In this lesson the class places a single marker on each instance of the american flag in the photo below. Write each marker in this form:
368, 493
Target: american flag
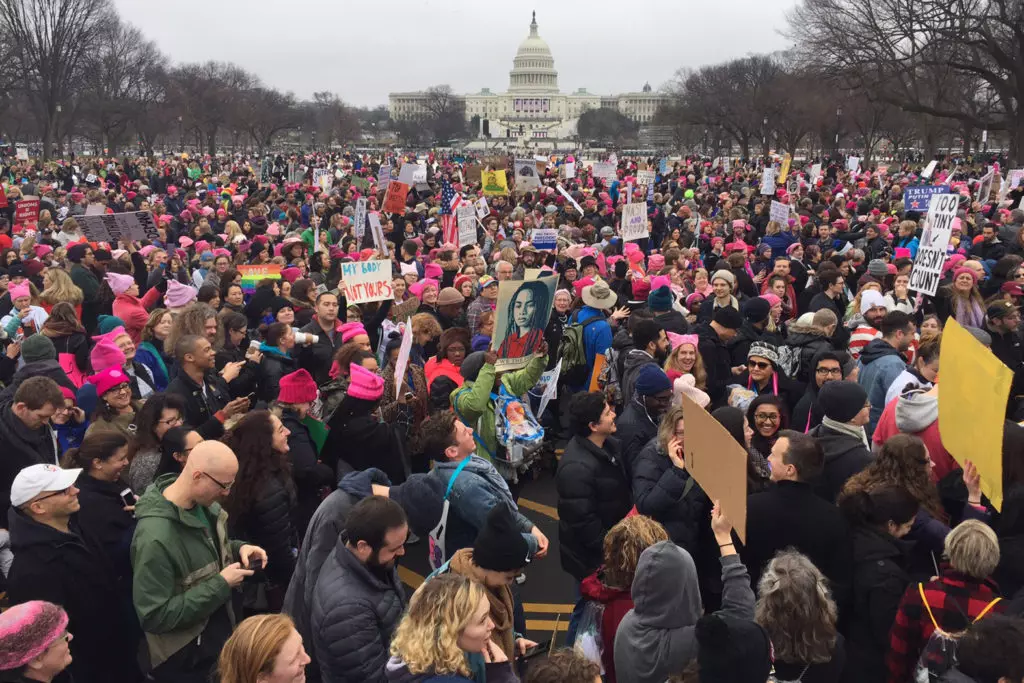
450, 201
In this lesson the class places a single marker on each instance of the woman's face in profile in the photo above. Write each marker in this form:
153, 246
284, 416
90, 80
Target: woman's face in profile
523, 309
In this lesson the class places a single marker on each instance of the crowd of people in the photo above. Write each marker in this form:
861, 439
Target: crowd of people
203, 475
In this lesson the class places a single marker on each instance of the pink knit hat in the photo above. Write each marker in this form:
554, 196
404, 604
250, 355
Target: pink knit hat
417, 287
771, 299
364, 384
433, 271
105, 355
964, 269
119, 283
297, 387
107, 379
675, 339
655, 262
350, 331
19, 290
26, 630
179, 295
660, 281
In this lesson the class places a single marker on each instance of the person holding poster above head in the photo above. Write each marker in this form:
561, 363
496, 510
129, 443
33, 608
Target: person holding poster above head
526, 312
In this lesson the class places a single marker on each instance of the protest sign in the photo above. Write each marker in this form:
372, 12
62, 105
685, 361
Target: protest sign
768, 181
111, 227
545, 238
853, 164
406, 173
526, 175
367, 281
360, 218
482, 209
931, 254
815, 173
784, 169
725, 164
419, 173
495, 184
606, 170
972, 423
634, 221
402, 362
645, 178
22, 153
929, 169
1015, 178
663, 166
323, 178
523, 311
394, 198
26, 211
466, 215
378, 233
916, 197
547, 387
779, 213
362, 183
717, 463
531, 273
569, 170
568, 197
985, 187
3, 198
251, 275
384, 177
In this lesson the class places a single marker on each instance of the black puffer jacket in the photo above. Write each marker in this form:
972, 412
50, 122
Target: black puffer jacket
593, 495
268, 524
633, 429
274, 366
21, 447
670, 496
355, 614
845, 456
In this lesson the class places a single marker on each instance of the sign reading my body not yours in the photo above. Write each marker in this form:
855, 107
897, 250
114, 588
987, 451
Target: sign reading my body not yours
367, 281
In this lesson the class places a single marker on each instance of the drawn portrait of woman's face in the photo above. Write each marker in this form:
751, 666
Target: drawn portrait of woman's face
523, 309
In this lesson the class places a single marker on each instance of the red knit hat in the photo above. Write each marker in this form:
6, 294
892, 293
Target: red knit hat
297, 387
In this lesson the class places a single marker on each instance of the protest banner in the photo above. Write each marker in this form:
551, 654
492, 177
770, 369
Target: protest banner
634, 222
768, 181
402, 362
569, 170
645, 178
323, 178
972, 423
466, 216
360, 218
384, 177
916, 197
378, 234
931, 254
111, 227
784, 169
545, 238
929, 169
985, 187
779, 213
251, 275
526, 177
367, 281
606, 170
1015, 177
21, 153
495, 184
26, 211
718, 464
394, 198
523, 311
853, 164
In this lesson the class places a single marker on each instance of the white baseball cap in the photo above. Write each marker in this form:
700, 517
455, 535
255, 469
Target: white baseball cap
36, 479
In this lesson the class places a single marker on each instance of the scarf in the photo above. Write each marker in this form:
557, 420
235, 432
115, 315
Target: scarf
843, 428
500, 601
58, 328
973, 316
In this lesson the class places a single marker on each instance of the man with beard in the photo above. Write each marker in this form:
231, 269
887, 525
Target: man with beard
359, 599
650, 347
873, 308
648, 400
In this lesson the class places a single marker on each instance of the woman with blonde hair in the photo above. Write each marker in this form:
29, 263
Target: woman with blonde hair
795, 608
447, 632
684, 359
58, 288
264, 649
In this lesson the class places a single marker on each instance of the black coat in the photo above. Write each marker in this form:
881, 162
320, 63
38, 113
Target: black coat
71, 570
670, 496
103, 517
790, 514
739, 345
273, 367
248, 380
268, 524
21, 447
845, 456
317, 358
806, 345
716, 363
593, 496
879, 581
672, 321
633, 429
309, 473
363, 441
201, 411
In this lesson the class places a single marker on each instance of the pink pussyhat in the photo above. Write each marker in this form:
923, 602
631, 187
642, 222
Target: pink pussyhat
364, 384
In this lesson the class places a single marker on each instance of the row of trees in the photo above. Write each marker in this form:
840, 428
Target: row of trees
912, 75
72, 69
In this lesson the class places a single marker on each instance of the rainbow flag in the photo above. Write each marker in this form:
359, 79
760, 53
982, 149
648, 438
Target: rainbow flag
251, 276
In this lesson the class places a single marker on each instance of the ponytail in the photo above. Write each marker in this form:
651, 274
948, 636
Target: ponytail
879, 507
95, 446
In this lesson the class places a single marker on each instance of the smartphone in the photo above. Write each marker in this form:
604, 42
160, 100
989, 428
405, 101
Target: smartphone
128, 497
252, 398
539, 649
256, 563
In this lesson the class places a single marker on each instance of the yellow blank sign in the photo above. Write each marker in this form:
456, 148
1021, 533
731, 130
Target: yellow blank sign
975, 386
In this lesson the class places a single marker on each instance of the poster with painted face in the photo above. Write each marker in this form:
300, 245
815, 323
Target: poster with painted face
523, 310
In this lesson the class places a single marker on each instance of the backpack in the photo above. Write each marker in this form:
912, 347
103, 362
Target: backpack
939, 653
789, 360
572, 351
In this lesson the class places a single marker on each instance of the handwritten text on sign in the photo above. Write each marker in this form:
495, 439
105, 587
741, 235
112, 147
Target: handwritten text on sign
931, 255
367, 281
634, 221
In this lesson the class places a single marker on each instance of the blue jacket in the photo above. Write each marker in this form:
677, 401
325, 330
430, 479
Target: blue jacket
597, 338
477, 489
779, 243
880, 364
911, 244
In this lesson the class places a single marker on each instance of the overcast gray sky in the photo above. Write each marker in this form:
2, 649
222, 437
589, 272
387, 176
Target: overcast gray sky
364, 49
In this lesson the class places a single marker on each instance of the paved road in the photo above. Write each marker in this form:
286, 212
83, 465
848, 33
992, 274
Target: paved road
548, 593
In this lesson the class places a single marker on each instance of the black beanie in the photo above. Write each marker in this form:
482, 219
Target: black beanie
500, 546
728, 317
77, 252
732, 650
621, 268
471, 365
756, 310
841, 401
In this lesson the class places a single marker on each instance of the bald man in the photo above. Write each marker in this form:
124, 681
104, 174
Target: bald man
185, 567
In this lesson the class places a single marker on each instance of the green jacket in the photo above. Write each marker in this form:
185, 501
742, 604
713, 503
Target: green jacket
86, 281
472, 402
176, 567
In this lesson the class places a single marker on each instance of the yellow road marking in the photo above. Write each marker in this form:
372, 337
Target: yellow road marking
545, 510
546, 608
409, 577
546, 625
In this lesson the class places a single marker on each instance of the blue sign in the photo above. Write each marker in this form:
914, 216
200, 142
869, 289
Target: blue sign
545, 238
663, 166
916, 197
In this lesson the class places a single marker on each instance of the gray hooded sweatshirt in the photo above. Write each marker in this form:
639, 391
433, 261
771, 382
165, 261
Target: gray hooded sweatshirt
656, 638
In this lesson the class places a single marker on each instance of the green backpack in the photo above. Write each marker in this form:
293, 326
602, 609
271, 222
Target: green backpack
572, 351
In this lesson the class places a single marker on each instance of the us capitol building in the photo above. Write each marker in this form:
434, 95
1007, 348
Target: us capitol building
533, 109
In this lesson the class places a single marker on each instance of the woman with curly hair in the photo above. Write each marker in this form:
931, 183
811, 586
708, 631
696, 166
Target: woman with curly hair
58, 288
262, 502
263, 649
796, 609
447, 632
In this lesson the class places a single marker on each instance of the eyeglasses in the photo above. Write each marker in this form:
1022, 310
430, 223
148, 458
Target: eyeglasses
222, 485
170, 421
829, 371
760, 364
766, 417
65, 492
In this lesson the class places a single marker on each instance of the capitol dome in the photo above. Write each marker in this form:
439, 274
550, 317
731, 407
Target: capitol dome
533, 69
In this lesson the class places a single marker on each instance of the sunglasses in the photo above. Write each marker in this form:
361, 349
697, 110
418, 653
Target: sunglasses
760, 364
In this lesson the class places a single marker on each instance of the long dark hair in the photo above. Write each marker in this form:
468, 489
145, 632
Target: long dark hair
174, 441
147, 417
542, 305
251, 439
96, 446
761, 444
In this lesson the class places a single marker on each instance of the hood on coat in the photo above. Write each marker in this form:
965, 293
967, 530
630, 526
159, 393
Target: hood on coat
802, 335
593, 588
360, 484
622, 340
665, 591
835, 444
915, 411
876, 349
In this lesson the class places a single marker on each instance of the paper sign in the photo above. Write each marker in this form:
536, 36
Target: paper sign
972, 422
403, 356
419, 173
495, 184
384, 177
526, 175
634, 221
779, 213
985, 187
482, 209
22, 153
522, 314
815, 173
111, 227
768, 181
407, 173
547, 387
606, 170
569, 198
466, 216
26, 211
929, 169
931, 254
916, 197
360, 218
394, 199
663, 166
853, 164
569, 170
378, 234
718, 463
545, 238
1015, 178
645, 178
323, 179
725, 164
367, 281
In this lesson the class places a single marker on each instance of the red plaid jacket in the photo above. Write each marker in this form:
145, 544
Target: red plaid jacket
955, 600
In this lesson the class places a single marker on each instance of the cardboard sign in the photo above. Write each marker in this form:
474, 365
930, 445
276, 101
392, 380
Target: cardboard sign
768, 181
111, 227
523, 311
973, 429
606, 170
473, 173
384, 177
985, 187
717, 463
26, 211
251, 275
784, 169
360, 218
779, 213
409, 172
916, 197
495, 184
394, 199
22, 153
600, 360
545, 238
929, 169
526, 175
377, 230
547, 387
402, 362
931, 254
634, 221
482, 209
367, 281
569, 170
466, 216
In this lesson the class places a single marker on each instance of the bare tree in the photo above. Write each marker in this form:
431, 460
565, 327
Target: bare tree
209, 97
265, 112
446, 113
